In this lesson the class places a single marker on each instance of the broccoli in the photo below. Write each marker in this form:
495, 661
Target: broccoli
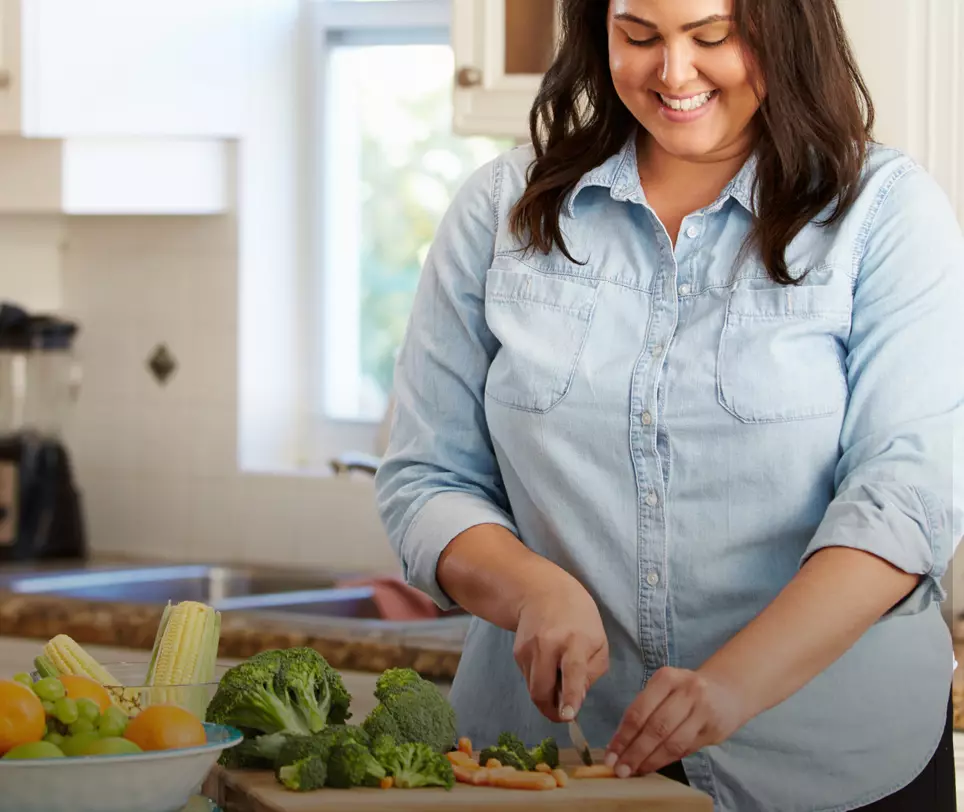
413, 710
415, 765
255, 752
320, 744
510, 741
305, 774
288, 691
352, 765
384, 748
546, 752
506, 756
395, 680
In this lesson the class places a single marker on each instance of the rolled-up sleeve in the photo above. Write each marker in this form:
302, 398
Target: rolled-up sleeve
439, 476
900, 480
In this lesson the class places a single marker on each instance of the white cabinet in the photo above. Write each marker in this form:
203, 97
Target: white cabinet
162, 68
502, 48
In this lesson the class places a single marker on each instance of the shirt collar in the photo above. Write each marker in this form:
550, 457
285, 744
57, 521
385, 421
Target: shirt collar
619, 174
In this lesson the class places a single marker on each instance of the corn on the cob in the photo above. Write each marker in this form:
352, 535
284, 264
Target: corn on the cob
68, 657
185, 653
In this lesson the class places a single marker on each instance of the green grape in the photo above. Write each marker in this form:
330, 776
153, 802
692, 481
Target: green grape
81, 726
50, 688
24, 679
113, 746
113, 722
88, 709
75, 745
48, 707
55, 739
65, 710
35, 750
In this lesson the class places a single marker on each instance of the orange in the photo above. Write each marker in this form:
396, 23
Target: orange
86, 688
165, 727
22, 717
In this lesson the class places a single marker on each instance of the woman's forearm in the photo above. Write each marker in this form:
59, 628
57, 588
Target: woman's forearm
836, 597
489, 572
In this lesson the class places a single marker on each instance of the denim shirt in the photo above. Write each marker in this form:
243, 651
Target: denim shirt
680, 434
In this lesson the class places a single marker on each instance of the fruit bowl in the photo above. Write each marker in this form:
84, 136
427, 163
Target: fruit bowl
161, 781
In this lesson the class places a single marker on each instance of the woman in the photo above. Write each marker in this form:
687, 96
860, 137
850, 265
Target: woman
695, 350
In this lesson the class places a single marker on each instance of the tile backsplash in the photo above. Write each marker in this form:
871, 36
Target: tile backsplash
158, 462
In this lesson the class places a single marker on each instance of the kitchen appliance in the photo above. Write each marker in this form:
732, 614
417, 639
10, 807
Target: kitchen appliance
40, 506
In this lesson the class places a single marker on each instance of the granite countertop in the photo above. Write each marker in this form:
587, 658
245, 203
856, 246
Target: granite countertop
433, 649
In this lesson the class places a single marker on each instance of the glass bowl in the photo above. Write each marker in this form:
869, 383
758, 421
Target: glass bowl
134, 696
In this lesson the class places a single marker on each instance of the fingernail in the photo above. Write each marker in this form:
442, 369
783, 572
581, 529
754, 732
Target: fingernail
611, 759
623, 771
567, 713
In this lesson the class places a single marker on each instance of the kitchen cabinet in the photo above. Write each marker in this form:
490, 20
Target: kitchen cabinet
910, 57
158, 68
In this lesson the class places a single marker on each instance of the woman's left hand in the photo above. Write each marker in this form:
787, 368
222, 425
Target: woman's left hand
676, 714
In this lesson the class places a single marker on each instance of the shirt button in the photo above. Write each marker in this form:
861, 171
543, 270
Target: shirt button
692, 232
647, 419
652, 579
651, 500
684, 290
658, 349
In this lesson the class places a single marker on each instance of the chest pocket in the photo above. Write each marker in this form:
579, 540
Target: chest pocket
542, 322
781, 355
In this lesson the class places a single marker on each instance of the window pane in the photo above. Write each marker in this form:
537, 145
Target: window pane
392, 166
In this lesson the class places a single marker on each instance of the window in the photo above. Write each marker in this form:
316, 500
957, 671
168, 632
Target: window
387, 165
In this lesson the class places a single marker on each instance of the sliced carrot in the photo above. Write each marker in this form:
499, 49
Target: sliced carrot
542, 767
561, 777
465, 745
595, 771
480, 778
387, 782
523, 780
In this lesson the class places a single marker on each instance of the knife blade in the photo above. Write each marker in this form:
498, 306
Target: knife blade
576, 735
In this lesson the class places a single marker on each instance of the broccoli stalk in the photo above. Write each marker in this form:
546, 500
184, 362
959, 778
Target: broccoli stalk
352, 765
313, 688
411, 710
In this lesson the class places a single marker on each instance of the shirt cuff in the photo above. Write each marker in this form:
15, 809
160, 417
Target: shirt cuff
895, 523
440, 520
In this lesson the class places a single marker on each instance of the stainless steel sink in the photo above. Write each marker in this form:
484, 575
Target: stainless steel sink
215, 585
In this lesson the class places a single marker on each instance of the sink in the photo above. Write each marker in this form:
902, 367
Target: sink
216, 586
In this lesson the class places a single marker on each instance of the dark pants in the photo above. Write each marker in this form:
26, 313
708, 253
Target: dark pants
933, 790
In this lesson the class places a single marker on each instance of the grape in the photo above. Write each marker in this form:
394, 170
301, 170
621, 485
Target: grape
88, 709
75, 745
35, 750
65, 710
24, 679
113, 746
81, 726
55, 739
113, 722
50, 689
48, 707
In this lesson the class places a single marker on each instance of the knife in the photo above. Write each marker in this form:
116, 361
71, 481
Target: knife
575, 732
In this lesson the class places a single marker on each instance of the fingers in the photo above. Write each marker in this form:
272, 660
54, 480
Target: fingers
575, 681
543, 682
684, 740
638, 714
662, 723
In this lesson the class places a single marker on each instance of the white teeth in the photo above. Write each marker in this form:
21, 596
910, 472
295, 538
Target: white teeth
692, 103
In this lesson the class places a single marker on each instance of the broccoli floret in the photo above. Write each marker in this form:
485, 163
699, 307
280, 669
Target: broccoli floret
417, 765
312, 687
384, 749
305, 774
395, 680
415, 712
320, 744
546, 752
506, 756
510, 741
352, 765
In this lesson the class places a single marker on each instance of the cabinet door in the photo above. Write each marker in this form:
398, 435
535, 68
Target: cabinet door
133, 67
502, 49
910, 58
10, 75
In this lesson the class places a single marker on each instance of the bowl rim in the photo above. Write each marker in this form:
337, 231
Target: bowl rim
234, 737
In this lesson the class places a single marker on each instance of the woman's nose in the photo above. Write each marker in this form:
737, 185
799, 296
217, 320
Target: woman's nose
677, 69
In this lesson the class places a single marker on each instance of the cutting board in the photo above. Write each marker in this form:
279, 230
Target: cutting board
238, 791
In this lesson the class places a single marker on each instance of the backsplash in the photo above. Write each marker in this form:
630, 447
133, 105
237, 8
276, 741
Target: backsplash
157, 462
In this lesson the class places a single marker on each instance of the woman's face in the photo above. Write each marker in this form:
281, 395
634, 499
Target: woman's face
679, 68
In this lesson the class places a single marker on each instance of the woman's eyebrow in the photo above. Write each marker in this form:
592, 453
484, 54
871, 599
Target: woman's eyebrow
713, 18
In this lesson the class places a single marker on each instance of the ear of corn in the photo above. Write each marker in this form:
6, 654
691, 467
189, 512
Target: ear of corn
64, 656
185, 653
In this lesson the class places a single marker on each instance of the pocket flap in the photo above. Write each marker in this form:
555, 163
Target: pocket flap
803, 301
569, 295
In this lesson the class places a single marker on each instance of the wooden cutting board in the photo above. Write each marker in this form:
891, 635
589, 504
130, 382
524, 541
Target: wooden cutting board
236, 791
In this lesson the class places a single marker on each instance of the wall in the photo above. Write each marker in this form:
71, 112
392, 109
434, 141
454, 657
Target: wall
159, 463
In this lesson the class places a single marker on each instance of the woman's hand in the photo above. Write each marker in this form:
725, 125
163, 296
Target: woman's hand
676, 714
559, 630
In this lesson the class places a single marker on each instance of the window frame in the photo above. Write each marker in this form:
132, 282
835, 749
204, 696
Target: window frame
333, 23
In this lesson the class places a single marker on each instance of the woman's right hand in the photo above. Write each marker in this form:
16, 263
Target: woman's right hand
559, 630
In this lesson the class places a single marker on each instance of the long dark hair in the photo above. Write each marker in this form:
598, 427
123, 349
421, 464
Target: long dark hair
815, 121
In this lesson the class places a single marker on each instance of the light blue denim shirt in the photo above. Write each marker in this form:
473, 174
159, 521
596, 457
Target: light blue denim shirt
680, 433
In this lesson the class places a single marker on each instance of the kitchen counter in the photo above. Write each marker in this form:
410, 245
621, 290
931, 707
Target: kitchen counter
433, 649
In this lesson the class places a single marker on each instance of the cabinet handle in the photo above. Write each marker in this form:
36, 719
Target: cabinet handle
4, 79
468, 77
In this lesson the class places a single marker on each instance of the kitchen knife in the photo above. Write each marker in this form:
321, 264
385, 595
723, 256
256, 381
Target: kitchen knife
575, 732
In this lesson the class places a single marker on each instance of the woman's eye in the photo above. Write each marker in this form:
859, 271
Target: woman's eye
642, 43
704, 44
